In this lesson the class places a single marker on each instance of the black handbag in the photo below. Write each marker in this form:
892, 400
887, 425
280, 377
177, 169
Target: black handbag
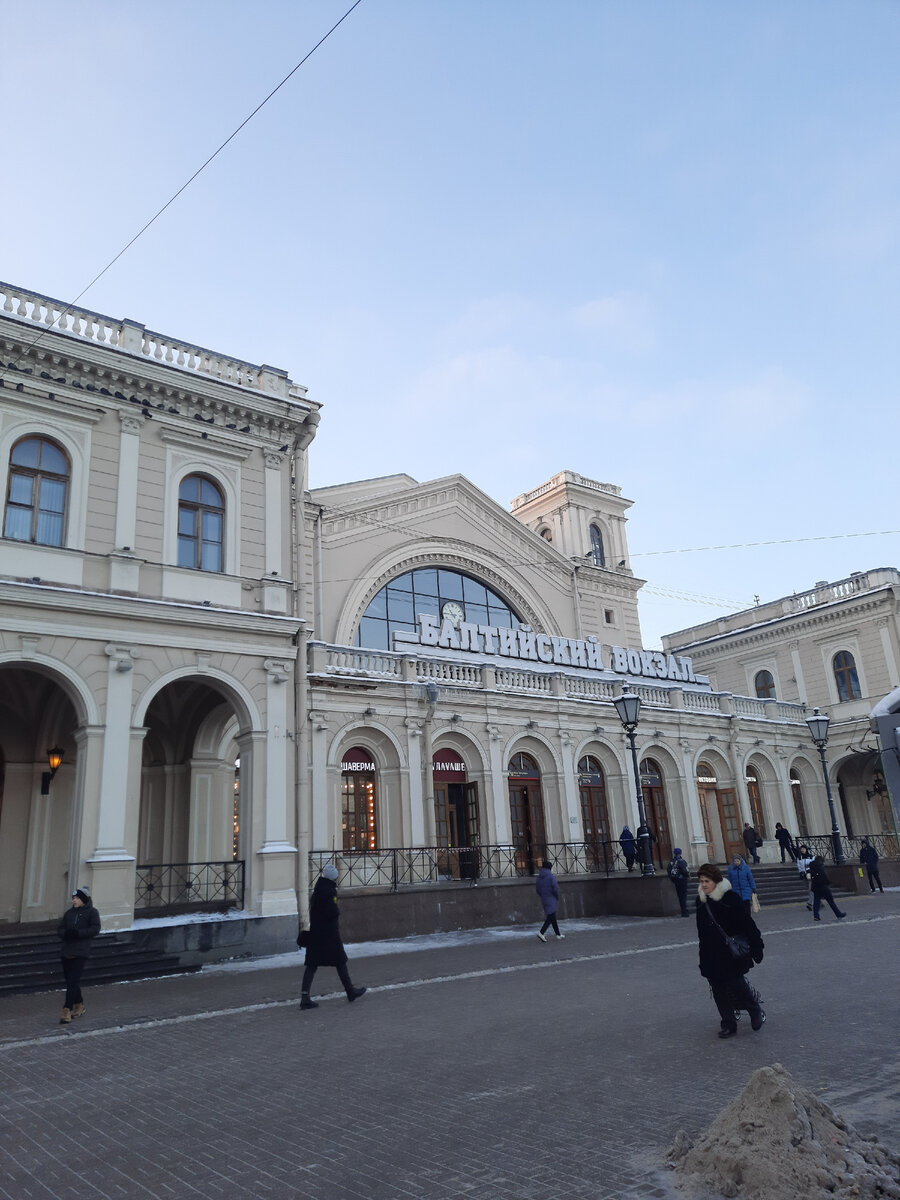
736, 943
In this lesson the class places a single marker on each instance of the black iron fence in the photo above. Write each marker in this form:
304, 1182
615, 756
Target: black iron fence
189, 887
886, 845
402, 867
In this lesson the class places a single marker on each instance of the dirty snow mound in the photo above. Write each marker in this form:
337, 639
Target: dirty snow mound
776, 1141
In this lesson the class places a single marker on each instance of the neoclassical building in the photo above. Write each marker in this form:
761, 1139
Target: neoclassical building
213, 678
835, 647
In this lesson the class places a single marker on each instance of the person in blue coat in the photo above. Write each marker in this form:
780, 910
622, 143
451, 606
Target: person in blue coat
626, 841
742, 882
548, 889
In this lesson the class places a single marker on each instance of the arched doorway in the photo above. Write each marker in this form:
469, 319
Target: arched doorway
456, 819
721, 816
655, 811
754, 795
359, 801
526, 810
799, 806
39, 846
594, 813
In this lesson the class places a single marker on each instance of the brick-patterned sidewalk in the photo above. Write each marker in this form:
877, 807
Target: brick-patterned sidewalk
501, 1068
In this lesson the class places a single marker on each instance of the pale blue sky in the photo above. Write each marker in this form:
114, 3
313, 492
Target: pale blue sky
656, 243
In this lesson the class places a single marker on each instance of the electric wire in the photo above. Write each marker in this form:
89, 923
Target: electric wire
824, 537
186, 184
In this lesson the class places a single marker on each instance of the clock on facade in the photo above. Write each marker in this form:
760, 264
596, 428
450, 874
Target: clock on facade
452, 612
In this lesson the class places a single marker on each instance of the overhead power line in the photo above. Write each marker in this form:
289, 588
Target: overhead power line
825, 537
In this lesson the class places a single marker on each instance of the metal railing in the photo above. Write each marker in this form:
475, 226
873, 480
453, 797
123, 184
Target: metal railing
407, 866
182, 887
886, 845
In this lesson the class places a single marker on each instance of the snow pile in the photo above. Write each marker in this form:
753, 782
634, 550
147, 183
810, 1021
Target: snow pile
776, 1141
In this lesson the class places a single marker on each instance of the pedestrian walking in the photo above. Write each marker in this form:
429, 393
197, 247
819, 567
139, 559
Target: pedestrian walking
548, 889
820, 885
722, 923
785, 842
77, 929
742, 882
868, 856
322, 940
804, 862
678, 872
751, 841
626, 841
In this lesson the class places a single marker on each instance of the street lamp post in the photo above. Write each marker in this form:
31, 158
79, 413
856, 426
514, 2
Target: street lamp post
818, 728
628, 706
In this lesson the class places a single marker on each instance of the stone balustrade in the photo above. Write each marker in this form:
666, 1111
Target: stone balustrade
132, 338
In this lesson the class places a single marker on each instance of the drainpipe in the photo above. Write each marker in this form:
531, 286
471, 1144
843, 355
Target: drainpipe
575, 569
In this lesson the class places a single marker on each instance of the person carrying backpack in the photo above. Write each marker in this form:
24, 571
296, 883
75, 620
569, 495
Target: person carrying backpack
678, 872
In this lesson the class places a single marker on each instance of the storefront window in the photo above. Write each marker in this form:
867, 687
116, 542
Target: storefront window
359, 798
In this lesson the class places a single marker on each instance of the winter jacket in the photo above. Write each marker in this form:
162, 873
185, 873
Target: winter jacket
819, 883
751, 837
741, 880
76, 929
626, 841
678, 870
717, 964
868, 856
325, 948
547, 888
784, 838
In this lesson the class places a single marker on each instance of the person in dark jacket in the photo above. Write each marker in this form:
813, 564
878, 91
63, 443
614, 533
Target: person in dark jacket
742, 882
721, 913
626, 841
324, 947
547, 888
820, 886
79, 926
868, 856
751, 840
678, 872
785, 841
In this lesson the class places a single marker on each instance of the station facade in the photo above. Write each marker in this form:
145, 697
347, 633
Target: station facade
243, 677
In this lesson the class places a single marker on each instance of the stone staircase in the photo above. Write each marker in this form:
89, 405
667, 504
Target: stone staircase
30, 959
782, 883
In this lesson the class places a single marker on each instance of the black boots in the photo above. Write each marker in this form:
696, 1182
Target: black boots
355, 993
305, 1001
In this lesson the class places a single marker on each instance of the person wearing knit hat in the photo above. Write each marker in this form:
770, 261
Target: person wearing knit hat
678, 872
79, 926
322, 940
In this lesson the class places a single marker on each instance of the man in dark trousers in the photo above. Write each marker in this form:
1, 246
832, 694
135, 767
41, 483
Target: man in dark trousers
751, 838
677, 871
785, 841
868, 856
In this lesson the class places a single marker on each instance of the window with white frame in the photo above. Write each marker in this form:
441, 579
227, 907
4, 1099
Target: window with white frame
201, 524
37, 492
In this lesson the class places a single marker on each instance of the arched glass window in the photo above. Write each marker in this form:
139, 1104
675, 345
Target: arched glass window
765, 685
436, 592
597, 553
37, 492
201, 524
844, 666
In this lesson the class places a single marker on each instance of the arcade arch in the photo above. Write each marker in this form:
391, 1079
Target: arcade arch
719, 807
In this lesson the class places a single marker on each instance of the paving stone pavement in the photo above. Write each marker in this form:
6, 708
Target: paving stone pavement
493, 1067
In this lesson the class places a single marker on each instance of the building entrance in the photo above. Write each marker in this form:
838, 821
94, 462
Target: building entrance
526, 811
656, 812
455, 817
594, 813
358, 796
721, 815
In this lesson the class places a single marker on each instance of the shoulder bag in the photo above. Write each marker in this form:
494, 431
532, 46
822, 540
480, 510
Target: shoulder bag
738, 944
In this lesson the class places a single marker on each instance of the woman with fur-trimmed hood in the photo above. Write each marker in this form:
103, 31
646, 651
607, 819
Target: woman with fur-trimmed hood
721, 914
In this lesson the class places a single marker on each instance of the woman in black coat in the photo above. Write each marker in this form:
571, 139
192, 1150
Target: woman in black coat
324, 947
719, 912
79, 926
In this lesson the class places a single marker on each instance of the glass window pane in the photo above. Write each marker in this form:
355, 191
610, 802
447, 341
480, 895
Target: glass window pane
403, 583
400, 606
17, 524
190, 488
450, 585
212, 527
373, 634
502, 617
210, 556
210, 494
49, 529
477, 614
53, 495
27, 453
427, 604
476, 592
186, 552
378, 605
53, 459
20, 489
187, 522
425, 581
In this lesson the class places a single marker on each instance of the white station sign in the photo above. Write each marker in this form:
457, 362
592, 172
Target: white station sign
526, 645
